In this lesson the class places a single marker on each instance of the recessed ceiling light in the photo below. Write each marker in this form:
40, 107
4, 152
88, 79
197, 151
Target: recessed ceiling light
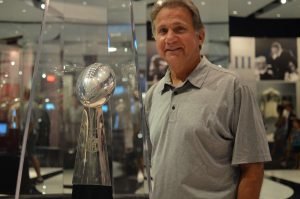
283, 1
84, 3
24, 10
203, 3
278, 15
1, 1
159, 2
235, 12
43, 6
249, 2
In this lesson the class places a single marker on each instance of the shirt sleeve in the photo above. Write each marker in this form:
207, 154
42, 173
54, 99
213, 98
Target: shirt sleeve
250, 143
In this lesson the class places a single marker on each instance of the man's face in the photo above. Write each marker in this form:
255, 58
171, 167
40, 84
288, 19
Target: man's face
177, 41
260, 65
274, 50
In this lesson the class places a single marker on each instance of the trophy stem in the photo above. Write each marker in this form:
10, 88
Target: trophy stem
91, 164
102, 146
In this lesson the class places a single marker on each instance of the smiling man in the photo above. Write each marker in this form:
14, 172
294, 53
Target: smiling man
207, 135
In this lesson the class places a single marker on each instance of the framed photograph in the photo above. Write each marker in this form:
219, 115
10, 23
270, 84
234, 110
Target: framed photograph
276, 59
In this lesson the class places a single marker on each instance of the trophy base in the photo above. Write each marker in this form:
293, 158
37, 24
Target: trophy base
92, 192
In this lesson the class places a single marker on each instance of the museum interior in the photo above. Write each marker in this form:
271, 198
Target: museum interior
50, 48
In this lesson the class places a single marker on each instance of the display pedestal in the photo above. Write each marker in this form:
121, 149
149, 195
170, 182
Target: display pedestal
91, 192
9, 174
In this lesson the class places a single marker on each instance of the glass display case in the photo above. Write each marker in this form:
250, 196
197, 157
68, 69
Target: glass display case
46, 115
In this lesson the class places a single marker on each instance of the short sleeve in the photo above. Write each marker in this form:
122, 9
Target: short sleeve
250, 143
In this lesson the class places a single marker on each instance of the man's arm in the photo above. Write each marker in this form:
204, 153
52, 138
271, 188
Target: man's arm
250, 180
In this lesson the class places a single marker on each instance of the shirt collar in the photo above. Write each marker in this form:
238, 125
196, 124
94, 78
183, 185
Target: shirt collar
196, 78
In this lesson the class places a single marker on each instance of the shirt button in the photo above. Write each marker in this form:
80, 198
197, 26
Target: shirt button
173, 107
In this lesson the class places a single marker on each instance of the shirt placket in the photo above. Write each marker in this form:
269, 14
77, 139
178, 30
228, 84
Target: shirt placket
174, 106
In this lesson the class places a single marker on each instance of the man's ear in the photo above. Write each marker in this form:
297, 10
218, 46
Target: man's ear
153, 36
201, 36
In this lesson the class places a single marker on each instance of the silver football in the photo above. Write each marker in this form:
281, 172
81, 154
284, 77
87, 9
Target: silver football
95, 85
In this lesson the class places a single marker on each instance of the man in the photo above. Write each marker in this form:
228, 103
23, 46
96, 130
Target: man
207, 135
283, 62
33, 134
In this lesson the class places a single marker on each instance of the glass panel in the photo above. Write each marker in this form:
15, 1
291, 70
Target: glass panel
20, 95
99, 37
127, 137
84, 43
42, 107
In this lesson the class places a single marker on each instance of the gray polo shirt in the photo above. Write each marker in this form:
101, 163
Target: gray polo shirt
200, 132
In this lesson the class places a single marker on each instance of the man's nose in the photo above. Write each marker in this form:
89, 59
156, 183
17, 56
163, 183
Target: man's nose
170, 36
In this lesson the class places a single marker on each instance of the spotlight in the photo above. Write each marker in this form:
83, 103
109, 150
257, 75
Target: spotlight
43, 6
40, 4
283, 1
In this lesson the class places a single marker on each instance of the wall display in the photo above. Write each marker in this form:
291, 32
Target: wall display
242, 55
276, 87
270, 96
270, 67
265, 58
276, 59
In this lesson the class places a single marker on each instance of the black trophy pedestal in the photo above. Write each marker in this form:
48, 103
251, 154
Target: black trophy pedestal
91, 192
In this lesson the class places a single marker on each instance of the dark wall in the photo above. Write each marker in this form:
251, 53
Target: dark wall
252, 27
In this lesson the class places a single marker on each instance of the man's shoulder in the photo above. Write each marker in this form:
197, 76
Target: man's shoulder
220, 72
151, 89
149, 94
